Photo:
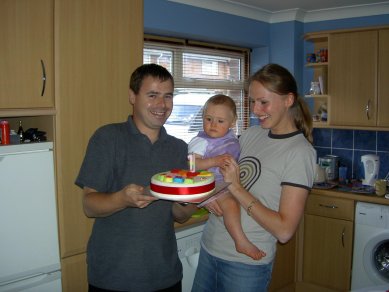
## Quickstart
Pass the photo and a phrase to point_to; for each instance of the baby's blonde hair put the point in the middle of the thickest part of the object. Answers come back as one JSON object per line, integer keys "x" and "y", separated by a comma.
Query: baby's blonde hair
{"x": 222, "y": 99}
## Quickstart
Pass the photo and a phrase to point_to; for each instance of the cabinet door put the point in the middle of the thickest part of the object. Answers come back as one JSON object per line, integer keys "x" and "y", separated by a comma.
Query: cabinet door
{"x": 26, "y": 50}
{"x": 283, "y": 275}
{"x": 383, "y": 78}
{"x": 74, "y": 273}
{"x": 98, "y": 44}
{"x": 353, "y": 78}
{"x": 327, "y": 252}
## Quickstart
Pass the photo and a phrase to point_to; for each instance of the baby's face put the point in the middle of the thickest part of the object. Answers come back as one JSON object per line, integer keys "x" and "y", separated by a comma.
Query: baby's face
{"x": 217, "y": 120}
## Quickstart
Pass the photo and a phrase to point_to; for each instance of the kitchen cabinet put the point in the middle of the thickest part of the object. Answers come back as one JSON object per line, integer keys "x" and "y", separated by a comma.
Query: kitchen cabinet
{"x": 98, "y": 45}
{"x": 74, "y": 274}
{"x": 356, "y": 91}
{"x": 353, "y": 78}
{"x": 328, "y": 240}
{"x": 319, "y": 70}
{"x": 284, "y": 268}
{"x": 27, "y": 54}
{"x": 383, "y": 77}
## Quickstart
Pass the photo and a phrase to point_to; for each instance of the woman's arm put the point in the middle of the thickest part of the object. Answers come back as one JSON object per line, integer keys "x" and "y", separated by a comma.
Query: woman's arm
{"x": 282, "y": 224}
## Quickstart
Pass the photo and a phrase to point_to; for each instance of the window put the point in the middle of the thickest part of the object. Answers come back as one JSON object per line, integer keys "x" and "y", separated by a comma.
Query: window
{"x": 200, "y": 71}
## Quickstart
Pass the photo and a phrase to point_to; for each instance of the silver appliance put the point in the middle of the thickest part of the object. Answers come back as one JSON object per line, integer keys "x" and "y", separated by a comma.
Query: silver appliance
{"x": 29, "y": 247}
{"x": 188, "y": 244}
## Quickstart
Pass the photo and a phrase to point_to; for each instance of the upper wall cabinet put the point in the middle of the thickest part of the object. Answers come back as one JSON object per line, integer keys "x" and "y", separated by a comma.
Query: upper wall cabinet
{"x": 353, "y": 78}
{"x": 383, "y": 78}
{"x": 26, "y": 50}
{"x": 357, "y": 91}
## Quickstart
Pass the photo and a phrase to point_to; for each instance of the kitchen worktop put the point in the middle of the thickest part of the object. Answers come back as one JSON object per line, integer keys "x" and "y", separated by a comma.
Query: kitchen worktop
{"x": 191, "y": 221}
{"x": 335, "y": 192}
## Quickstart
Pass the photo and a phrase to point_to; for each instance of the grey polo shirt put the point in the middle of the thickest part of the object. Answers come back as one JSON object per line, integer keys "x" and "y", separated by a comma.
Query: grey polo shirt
{"x": 133, "y": 249}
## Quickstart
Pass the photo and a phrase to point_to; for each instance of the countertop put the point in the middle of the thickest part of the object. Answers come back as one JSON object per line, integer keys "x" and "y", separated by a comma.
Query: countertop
{"x": 334, "y": 192}
{"x": 191, "y": 221}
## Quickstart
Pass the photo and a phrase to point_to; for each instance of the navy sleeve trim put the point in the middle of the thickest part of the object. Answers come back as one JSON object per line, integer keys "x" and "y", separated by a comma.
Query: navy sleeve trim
{"x": 296, "y": 185}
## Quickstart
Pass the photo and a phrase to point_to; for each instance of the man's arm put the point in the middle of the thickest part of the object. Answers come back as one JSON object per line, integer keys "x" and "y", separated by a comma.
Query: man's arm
{"x": 97, "y": 204}
{"x": 182, "y": 213}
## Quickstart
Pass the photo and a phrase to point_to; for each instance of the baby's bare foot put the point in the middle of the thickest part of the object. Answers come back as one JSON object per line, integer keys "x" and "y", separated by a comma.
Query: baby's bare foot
{"x": 250, "y": 250}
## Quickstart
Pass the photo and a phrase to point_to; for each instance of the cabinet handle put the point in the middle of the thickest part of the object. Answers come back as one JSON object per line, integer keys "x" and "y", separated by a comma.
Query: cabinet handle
{"x": 43, "y": 78}
{"x": 368, "y": 109}
{"x": 343, "y": 233}
{"x": 328, "y": 206}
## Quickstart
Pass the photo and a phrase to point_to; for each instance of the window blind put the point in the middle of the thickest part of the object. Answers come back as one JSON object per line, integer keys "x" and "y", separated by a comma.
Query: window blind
{"x": 200, "y": 70}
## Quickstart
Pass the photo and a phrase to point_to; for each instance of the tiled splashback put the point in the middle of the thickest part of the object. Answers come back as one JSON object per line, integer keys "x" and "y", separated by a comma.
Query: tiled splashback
{"x": 350, "y": 145}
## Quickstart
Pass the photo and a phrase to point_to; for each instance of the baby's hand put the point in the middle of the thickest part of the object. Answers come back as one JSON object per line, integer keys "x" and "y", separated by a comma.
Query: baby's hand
{"x": 220, "y": 160}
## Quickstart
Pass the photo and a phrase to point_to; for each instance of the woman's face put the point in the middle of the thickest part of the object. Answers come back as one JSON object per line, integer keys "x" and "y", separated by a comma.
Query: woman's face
{"x": 271, "y": 108}
{"x": 217, "y": 120}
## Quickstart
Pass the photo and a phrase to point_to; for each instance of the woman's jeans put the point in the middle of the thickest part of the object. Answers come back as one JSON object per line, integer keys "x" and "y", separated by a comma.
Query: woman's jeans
{"x": 216, "y": 275}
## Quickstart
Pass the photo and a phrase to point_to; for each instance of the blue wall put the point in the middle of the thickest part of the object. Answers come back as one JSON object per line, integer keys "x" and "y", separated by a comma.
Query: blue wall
{"x": 166, "y": 18}
{"x": 350, "y": 145}
{"x": 279, "y": 43}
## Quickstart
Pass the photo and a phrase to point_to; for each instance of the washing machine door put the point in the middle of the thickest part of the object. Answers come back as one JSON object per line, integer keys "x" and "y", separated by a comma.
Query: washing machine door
{"x": 376, "y": 259}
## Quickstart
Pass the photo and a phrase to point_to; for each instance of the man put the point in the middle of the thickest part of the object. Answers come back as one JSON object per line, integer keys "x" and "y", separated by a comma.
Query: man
{"x": 133, "y": 246}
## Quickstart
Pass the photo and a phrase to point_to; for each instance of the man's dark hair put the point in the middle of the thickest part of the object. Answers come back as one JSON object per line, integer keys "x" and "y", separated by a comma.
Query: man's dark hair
{"x": 153, "y": 70}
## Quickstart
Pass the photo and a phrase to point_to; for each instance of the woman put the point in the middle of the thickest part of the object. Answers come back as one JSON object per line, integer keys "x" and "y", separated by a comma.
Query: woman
{"x": 271, "y": 182}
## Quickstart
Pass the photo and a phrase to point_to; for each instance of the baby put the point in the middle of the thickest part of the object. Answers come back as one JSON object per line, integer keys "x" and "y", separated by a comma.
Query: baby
{"x": 210, "y": 148}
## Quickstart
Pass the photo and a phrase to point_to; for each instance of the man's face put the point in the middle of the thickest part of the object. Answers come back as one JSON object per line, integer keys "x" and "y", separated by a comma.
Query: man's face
{"x": 153, "y": 104}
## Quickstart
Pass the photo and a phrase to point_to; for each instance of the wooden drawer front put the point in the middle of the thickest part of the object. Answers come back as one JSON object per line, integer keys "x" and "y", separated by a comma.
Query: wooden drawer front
{"x": 330, "y": 207}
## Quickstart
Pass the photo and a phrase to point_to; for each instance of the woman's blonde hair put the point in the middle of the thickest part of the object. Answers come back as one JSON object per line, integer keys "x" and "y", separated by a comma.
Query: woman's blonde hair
{"x": 279, "y": 80}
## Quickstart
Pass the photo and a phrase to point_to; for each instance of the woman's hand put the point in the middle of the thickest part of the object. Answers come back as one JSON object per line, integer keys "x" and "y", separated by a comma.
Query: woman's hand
{"x": 230, "y": 171}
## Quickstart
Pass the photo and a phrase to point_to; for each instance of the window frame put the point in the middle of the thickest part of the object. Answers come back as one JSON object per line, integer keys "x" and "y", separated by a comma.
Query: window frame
{"x": 181, "y": 46}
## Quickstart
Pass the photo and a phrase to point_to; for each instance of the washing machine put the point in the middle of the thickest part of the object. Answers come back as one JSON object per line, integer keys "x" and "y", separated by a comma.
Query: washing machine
{"x": 371, "y": 247}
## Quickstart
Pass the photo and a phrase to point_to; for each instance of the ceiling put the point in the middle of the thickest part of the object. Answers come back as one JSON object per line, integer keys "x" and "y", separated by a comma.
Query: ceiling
{"x": 273, "y": 11}
{"x": 307, "y": 5}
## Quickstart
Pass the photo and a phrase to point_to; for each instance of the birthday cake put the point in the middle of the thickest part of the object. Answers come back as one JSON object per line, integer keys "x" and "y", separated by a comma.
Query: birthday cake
{"x": 182, "y": 185}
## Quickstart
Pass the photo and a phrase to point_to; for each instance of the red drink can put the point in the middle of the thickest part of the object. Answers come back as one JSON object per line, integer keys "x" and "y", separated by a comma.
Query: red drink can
{"x": 5, "y": 132}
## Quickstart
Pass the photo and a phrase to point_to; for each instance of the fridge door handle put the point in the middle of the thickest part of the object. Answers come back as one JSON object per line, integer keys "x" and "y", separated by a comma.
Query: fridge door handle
{"x": 30, "y": 281}
{"x": 26, "y": 280}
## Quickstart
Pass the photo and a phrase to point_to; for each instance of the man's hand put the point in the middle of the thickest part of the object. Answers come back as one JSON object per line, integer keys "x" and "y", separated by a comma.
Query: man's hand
{"x": 98, "y": 204}
{"x": 133, "y": 196}
{"x": 214, "y": 208}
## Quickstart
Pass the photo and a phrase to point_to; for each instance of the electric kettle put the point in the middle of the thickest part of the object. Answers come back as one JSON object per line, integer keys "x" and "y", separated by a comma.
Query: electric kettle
{"x": 371, "y": 166}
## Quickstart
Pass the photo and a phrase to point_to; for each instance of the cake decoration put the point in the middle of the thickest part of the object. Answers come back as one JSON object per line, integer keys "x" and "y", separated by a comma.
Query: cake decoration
{"x": 182, "y": 185}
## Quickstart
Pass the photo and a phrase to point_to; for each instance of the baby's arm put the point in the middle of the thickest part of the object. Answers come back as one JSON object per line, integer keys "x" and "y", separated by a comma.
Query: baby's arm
{"x": 206, "y": 163}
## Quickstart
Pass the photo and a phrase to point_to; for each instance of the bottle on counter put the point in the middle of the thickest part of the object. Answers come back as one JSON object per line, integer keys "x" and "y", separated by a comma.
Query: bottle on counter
{"x": 5, "y": 132}
{"x": 20, "y": 132}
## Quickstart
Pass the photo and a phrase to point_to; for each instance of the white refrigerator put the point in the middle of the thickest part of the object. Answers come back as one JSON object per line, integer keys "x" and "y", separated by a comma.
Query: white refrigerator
{"x": 29, "y": 247}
